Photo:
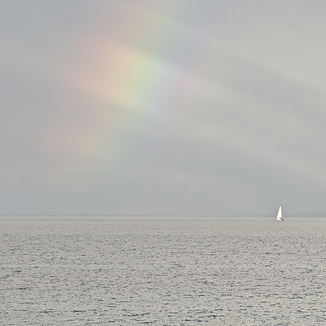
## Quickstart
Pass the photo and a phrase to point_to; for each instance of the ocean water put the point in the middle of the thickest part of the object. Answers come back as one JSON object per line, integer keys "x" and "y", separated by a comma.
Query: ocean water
{"x": 174, "y": 271}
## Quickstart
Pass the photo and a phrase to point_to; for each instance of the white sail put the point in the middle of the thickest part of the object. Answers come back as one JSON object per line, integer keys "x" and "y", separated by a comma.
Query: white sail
{"x": 279, "y": 214}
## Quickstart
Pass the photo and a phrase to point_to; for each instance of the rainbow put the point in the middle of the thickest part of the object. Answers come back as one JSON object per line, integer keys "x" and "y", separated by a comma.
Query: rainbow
{"x": 137, "y": 86}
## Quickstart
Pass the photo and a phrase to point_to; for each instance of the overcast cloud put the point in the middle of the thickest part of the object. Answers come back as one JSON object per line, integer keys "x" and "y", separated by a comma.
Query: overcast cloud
{"x": 162, "y": 107}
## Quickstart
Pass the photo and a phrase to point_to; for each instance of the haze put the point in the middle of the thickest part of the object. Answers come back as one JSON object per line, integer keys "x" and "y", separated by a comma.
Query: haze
{"x": 162, "y": 107}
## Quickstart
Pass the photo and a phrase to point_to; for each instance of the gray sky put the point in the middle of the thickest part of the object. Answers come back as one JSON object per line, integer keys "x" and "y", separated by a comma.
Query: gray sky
{"x": 172, "y": 107}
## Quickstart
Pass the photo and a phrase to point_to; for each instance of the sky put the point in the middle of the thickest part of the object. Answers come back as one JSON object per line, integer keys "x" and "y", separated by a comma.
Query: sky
{"x": 167, "y": 107}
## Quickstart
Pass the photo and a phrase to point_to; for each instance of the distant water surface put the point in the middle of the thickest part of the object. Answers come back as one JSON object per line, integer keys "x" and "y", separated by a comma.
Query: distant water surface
{"x": 150, "y": 271}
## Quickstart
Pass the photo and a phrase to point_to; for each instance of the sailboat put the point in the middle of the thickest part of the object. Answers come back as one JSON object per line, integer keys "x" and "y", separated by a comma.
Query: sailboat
{"x": 279, "y": 215}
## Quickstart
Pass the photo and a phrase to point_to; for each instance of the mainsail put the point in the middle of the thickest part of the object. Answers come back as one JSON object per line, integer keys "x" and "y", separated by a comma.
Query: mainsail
{"x": 279, "y": 214}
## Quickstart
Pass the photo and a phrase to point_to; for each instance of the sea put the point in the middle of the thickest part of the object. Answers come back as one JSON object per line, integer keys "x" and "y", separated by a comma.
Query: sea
{"x": 162, "y": 271}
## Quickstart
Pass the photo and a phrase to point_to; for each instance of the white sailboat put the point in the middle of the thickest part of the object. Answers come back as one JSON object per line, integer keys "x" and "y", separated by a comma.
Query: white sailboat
{"x": 279, "y": 216}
